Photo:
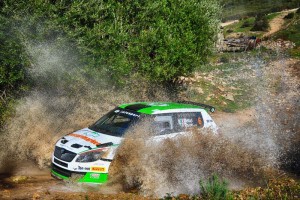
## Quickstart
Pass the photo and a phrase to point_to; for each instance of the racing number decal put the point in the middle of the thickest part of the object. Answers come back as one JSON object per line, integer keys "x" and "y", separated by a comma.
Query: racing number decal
{"x": 98, "y": 169}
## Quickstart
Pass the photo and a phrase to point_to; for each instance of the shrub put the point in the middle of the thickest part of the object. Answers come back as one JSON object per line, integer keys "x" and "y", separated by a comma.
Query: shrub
{"x": 229, "y": 31}
{"x": 289, "y": 16}
{"x": 13, "y": 64}
{"x": 215, "y": 189}
{"x": 260, "y": 24}
{"x": 158, "y": 40}
{"x": 224, "y": 59}
{"x": 246, "y": 24}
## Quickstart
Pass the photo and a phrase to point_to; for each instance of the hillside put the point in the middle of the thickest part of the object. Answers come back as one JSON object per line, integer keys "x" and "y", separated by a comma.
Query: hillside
{"x": 239, "y": 9}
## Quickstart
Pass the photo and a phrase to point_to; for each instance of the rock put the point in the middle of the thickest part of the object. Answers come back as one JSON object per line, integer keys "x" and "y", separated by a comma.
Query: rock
{"x": 199, "y": 90}
{"x": 221, "y": 88}
{"x": 18, "y": 179}
{"x": 193, "y": 80}
{"x": 229, "y": 96}
{"x": 36, "y": 196}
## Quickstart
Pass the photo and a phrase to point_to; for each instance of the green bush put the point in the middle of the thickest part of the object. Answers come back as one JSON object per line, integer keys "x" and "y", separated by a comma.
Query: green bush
{"x": 215, "y": 189}
{"x": 159, "y": 40}
{"x": 246, "y": 24}
{"x": 261, "y": 23}
{"x": 13, "y": 64}
{"x": 289, "y": 16}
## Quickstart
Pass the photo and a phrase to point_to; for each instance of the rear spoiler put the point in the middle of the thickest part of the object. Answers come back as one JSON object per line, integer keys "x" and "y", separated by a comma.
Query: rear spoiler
{"x": 211, "y": 108}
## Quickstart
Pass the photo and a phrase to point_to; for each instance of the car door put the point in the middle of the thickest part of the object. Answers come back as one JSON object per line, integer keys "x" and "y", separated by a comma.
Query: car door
{"x": 173, "y": 124}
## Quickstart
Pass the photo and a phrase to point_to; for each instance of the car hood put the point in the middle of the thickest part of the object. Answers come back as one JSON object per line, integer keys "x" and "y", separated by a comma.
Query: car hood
{"x": 86, "y": 139}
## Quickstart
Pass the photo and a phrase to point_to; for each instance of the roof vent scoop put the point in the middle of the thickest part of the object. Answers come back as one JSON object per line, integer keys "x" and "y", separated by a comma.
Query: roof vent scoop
{"x": 137, "y": 107}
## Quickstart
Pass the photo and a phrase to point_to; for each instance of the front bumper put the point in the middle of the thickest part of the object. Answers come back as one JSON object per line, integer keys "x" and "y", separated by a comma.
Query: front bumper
{"x": 86, "y": 177}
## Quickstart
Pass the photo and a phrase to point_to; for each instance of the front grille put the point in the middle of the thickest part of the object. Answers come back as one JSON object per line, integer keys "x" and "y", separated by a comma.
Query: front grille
{"x": 61, "y": 171}
{"x": 64, "y": 154}
{"x": 65, "y": 172}
{"x": 60, "y": 163}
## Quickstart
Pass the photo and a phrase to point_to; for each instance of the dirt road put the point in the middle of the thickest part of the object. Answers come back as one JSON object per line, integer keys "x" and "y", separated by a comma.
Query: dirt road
{"x": 277, "y": 23}
{"x": 40, "y": 185}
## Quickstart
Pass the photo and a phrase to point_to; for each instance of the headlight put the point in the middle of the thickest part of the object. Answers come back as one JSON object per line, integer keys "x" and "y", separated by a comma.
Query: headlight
{"x": 91, "y": 156}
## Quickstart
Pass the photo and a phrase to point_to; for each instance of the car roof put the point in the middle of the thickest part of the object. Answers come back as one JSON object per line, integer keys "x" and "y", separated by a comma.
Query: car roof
{"x": 162, "y": 107}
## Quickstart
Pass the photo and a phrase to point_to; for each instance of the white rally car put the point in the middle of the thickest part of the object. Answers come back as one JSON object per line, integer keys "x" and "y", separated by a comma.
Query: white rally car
{"x": 89, "y": 152}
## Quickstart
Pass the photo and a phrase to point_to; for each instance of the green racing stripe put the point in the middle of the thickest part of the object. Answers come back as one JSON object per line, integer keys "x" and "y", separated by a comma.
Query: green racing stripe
{"x": 160, "y": 106}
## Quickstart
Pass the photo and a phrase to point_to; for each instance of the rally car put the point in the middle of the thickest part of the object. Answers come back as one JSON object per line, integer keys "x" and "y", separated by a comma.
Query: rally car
{"x": 88, "y": 153}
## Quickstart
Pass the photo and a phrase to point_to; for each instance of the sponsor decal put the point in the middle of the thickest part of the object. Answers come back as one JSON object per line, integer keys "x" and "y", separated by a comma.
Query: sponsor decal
{"x": 98, "y": 169}
{"x": 91, "y": 134}
{"x": 83, "y": 168}
{"x": 94, "y": 176}
{"x": 95, "y": 142}
{"x": 185, "y": 122}
{"x": 129, "y": 113}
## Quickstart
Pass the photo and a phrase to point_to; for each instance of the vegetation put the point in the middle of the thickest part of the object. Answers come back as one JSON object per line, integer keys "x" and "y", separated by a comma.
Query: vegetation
{"x": 290, "y": 16}
{"x": 248, "y": 25}
{"x": 13, "y": 64}
{"x": 238, "y": 9}
{"x": 260, "y": 24}
{"x": 284, "y": 188}
{"x": 291, "y": 32}
{"x": 215, "y": 189}
{"x": 160, "y": 40}
{"x": 243, "y": 26}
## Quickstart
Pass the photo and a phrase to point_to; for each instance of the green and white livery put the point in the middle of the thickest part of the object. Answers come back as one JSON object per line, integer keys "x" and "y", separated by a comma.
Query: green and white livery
{"x": 89, "y": 152}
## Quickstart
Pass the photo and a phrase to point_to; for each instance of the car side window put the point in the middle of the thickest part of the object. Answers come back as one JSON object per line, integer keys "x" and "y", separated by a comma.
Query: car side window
{"x": 188, "y": 119}
{"x": 163, "y": 124}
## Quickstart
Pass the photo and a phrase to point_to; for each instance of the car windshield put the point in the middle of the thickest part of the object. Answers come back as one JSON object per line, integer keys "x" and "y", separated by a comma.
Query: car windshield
{"x": 116, "y": 122}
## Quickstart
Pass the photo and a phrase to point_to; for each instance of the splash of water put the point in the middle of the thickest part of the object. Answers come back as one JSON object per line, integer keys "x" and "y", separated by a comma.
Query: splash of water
{"x": 249, "y": 151}
{"x": 177, "y": 164}
{"x": 62, "y": 100}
